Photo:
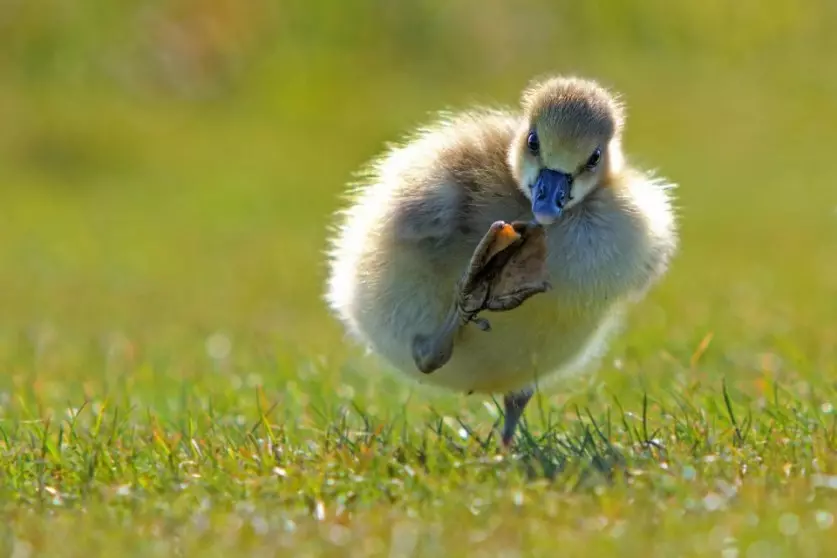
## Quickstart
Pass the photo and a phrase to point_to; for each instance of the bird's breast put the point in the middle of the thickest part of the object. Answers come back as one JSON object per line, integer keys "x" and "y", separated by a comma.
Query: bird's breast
{"x": 533, "y": 341}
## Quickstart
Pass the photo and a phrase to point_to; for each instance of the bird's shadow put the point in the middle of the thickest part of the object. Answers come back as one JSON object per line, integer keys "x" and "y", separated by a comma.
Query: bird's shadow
{"x": 586, "y": 455}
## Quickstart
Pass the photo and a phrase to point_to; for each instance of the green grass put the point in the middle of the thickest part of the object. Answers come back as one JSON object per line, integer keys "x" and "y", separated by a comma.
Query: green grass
{"x": 171, "y": 383}
{"x": 222, "y": 466}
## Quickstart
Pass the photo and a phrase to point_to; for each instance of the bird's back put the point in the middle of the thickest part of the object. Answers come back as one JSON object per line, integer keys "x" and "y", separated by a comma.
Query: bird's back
{"x": 452, "y": 180}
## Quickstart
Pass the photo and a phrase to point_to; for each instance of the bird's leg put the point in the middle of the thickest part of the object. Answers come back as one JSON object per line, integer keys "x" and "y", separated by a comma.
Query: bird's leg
{"x": 514, "y": 403}
{"x": 431, "y": 352}
{"x": 506, "y": 268}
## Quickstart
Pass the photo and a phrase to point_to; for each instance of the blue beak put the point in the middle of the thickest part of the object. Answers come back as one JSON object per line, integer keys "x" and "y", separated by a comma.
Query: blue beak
{"x": 549, "y": 194}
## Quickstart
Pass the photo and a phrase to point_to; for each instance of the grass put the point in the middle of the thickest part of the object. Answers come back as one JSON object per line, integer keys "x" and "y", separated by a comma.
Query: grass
{"x": 171, "y": 384}
{"x": 691, "y": 470}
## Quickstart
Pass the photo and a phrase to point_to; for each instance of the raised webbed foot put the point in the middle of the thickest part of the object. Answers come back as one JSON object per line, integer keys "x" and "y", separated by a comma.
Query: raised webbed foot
{"x": 507, "y": 268}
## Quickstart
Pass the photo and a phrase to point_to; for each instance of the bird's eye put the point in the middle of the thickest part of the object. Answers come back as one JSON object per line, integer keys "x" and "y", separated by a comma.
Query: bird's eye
{"x": 594, "y": 159}
{"x": 533, "y": 143}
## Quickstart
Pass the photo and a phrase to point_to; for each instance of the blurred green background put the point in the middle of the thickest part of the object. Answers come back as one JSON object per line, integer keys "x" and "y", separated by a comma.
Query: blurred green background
{"x": 168, "y": 168}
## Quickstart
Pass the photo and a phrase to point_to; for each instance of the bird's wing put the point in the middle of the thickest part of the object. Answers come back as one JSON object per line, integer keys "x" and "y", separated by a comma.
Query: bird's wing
{"x": 433, "y": 213}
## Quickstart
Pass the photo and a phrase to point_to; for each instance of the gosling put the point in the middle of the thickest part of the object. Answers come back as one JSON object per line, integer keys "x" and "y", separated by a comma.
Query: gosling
{"x": 420, "y": 210}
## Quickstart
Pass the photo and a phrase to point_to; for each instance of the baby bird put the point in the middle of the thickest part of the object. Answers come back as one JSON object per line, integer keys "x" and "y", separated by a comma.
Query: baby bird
{"x": 414, "y": 221}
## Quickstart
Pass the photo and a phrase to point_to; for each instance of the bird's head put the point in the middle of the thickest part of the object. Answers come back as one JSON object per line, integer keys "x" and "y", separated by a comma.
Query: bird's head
{"x": 568, "y": 146}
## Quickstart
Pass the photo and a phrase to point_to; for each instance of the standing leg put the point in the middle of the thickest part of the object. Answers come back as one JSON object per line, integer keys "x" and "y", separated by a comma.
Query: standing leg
{"x": 514, "y": 404}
